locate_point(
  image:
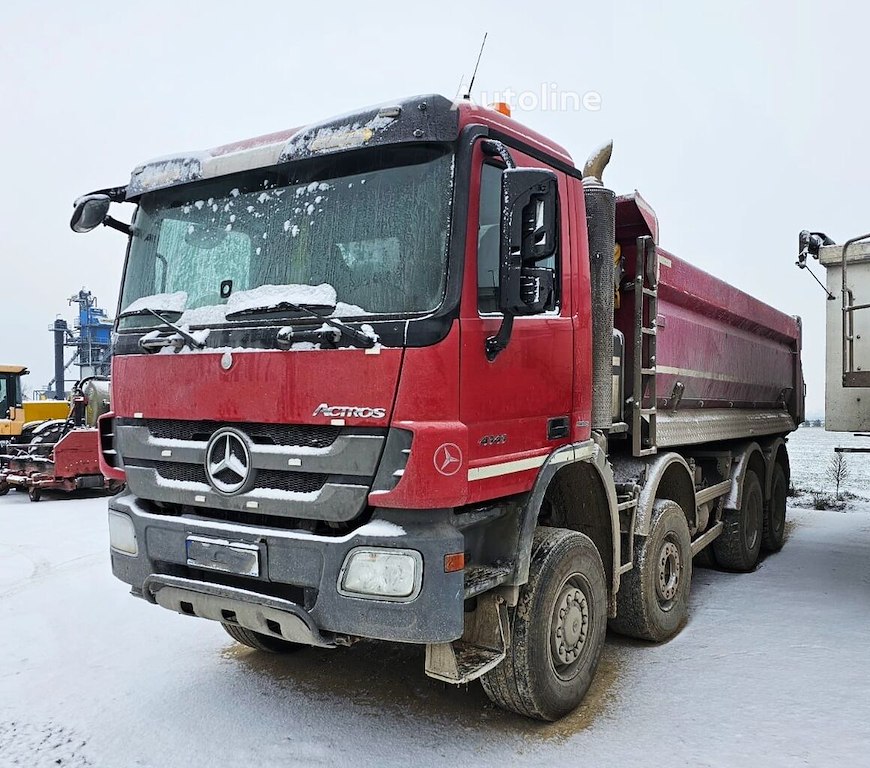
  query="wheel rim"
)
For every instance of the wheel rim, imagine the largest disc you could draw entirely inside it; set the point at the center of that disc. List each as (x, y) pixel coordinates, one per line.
(569, 627)
(777, 517)
(753, 521)
(670, 572)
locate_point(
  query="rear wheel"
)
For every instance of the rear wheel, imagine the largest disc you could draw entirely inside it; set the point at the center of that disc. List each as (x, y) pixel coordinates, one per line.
(4, 488)
(557, 630)
(259, 641)
(653, 598)
(773, 535)
(739, 543)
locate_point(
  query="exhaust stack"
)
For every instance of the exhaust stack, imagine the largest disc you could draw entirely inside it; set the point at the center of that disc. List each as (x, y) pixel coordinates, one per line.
(601, 230)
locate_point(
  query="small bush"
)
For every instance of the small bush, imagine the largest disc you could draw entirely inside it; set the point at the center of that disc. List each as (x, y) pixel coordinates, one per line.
(822, 500)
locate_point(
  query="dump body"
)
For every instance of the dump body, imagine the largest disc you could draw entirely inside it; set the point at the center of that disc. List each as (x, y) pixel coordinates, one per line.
(727, 365)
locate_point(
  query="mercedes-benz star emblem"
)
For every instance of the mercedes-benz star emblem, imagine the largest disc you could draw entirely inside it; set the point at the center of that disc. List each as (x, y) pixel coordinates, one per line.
(447, 459)
(227, 462)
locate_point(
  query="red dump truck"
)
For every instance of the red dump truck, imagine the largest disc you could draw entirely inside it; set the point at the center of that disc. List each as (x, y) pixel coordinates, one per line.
(410, 374)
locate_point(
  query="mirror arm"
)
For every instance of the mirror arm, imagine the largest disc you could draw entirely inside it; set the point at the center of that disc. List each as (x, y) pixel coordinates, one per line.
(495, 344)
(119, 225)
(497, 149)
(115, 194)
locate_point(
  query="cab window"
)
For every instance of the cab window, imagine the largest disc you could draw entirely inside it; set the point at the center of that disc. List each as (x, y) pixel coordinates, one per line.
(488, 242)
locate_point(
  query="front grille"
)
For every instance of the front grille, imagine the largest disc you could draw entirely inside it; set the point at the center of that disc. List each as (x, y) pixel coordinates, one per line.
(307, 435)
(294, 482)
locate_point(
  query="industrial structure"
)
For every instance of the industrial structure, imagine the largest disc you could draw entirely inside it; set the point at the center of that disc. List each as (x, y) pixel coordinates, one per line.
(90, 342)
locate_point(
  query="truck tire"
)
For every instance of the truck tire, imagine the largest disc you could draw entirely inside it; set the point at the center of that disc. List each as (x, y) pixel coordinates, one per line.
(34, 493)
(4, 488)
(557, 629)
(773, 535)
(259, 641)
(739, 543)
(653, 598)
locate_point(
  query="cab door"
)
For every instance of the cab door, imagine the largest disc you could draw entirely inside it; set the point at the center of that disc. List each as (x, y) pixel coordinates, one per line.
(517, 408)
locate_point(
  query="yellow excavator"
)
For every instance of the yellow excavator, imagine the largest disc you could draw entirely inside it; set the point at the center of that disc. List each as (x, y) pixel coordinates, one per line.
(15, 413)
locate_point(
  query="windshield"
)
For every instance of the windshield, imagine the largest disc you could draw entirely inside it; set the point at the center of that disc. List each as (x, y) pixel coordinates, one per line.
(364, 234)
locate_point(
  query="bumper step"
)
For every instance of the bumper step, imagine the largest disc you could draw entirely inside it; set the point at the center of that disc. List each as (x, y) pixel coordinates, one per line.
(481, 578)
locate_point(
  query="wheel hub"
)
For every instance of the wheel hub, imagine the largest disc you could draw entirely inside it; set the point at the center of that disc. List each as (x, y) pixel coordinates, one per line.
(571, 625)
(669, 571)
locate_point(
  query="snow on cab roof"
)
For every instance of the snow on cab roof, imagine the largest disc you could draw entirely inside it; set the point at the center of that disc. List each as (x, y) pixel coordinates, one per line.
(419, 118)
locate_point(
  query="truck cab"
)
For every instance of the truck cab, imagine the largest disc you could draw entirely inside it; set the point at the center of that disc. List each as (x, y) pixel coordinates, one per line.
(11, 400)
(393, 376)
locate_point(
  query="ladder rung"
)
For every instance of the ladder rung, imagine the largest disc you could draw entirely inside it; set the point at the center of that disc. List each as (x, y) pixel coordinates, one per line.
(650, 292)
(647, 411)
(648, 331)
(648, 371)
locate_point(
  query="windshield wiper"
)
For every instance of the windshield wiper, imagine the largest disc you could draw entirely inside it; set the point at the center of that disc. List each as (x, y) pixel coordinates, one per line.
(194, 342)
(147, 311)
(358, 337)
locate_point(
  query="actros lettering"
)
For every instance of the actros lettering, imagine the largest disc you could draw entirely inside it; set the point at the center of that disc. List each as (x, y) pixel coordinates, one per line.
(349, 412)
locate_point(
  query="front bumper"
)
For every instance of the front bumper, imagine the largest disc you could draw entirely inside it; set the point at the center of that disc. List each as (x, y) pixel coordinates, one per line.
(301, 560)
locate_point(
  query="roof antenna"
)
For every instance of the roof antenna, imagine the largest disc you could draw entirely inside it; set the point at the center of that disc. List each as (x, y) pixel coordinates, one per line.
(467, 96)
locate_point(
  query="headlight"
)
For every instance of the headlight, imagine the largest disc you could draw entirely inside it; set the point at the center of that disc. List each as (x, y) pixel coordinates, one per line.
(385, 574)
(122, 533)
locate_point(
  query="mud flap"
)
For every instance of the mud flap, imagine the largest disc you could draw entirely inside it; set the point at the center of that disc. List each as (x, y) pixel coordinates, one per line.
(482, 646)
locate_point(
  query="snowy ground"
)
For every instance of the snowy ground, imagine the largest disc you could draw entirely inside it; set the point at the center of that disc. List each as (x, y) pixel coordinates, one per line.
(772, 669)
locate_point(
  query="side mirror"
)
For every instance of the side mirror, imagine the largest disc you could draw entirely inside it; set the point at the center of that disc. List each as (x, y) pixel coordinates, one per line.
(90, 211)
(528, 235)
(809, 244)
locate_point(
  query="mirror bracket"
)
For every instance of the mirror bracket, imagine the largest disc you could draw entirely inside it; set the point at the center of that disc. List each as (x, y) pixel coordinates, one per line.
(118, 225)
(496, 343)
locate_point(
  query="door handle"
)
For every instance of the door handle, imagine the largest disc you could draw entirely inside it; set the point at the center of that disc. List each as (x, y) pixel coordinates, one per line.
(557, 427)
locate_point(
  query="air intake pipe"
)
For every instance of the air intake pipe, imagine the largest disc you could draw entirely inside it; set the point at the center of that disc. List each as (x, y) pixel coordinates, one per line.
(601, 230)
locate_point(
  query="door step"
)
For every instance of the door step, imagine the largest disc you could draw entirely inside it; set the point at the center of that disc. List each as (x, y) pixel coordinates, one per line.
(482, 646)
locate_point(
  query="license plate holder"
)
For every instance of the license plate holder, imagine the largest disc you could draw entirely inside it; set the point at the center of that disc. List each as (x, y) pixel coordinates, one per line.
(236, 557)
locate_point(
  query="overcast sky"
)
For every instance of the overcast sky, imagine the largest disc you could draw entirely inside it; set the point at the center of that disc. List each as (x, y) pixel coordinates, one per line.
(740, 122)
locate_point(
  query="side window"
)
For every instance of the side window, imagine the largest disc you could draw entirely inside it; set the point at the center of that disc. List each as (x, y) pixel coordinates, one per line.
(488, 238)
(488, 241)
(4, 399)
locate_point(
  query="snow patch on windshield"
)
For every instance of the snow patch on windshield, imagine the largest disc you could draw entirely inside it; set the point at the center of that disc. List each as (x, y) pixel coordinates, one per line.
(159, 302)
(265, 297)
(349, 310)
(268, 296)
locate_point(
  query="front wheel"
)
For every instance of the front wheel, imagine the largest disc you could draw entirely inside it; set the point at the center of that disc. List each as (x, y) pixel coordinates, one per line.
(4, 488)
(34, 493)
(653, 598)
(259, 641)
(557, 631)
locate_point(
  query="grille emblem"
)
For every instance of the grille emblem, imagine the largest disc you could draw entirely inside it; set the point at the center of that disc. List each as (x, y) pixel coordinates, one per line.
(228, 462)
